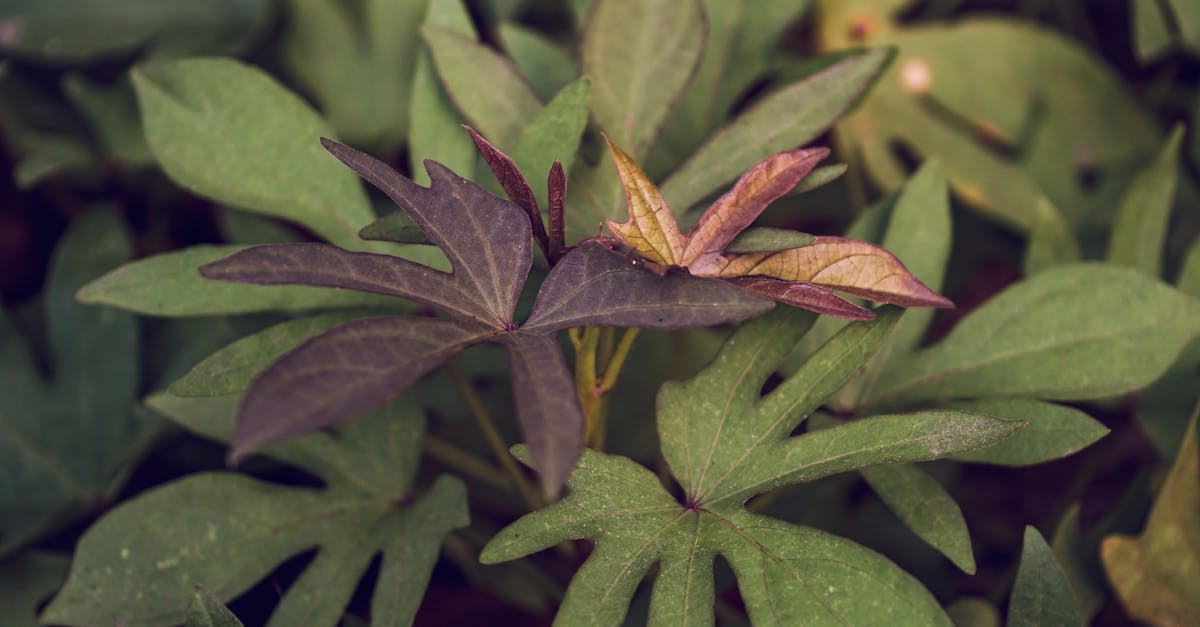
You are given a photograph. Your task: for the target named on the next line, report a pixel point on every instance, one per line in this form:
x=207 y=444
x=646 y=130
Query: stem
x=613 y=369
x=484 y=420
x=464 y=462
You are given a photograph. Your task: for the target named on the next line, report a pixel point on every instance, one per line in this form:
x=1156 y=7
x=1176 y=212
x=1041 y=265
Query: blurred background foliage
x=1052 y=121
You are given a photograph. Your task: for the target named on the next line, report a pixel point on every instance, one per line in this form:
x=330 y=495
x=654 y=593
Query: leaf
x=76 y=31
x=205 y=611
x=225 y=531
x=803 y=295
x=768 y=240
x=547 y=66
x=973 y=612
x=1036 y=115
x=1139 y=230
x=593 y=285
x=514 y=185
x=1041 y=594
x=359 y=66
x=809 y=106
x=555 y=133
x=395 y=227
x=1054 y=432
x=640 y=56
x=26 y=580
x=229 y=132
x=433 y=127
x=111 y=112
x=651 y=229
x=1052 y=241
x=1157 y=574
x=725 y=444
x=484 y=85
x=64 y=443
x=1151 y=35
x=925 y=507
x=169 y=284
x=1052 y=336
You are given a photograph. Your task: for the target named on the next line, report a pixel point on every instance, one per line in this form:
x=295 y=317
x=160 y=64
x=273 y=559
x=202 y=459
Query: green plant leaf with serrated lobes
x=63 y=442
x=725 y=443
x=206 y=611
x=223 y=531
x=358 y=366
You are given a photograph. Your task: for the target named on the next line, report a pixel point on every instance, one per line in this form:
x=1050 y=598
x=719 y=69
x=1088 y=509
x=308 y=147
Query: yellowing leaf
x=848 y=265
x=651 y=229
x=739 y=207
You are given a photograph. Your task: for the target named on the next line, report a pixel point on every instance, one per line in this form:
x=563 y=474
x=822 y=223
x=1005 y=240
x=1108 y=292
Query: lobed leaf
x=206 y=611
x=651 y=230
x=1054 y=432
x=925 y=507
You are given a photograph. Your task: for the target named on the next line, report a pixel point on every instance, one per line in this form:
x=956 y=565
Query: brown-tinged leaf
x=462 y=219
x=342 y=374
x=803 y=295
x=556 y=189
x=847 y=265
x=513 y=183
x=651 y=229
x=547 y=406
x=594 y=285
x=1157 y=574
x=737 y=209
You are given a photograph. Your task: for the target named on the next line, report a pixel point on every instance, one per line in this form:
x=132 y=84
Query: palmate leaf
x=724 y=444
x=223 y=531
x=356 y=367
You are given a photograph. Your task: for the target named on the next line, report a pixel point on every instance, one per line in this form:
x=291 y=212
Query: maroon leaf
x=344 y=373
x=547 y=406
x=514 y=184
x=803 y=295
x=328 y=266
x=556 y=186
x=594 y=285
x=485 y=238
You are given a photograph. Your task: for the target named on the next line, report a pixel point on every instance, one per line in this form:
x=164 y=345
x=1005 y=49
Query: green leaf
x=1041 y=594
x=230 y=132
x=1037 y=113
x=1151 y=33
x=224 y=532
x=1139 y=230
x=725 y=443
x=639 y=65
x=170 y=285
x=434 y=124
x=484 y=85
x=230 y=370
x=205 y=611
x=1189 y=275
x=973 y=612
x=553 y=135
x=925 y=507
x=809 y=106
x=63 y=444
x=1155 y=574
x=111 y=111
x=76 y=31
x=1052 y=241
x=1053 y=336
x=27 y=579
x=358 y=64
x=547 y=66
x=766 y=239
x=1054 y=432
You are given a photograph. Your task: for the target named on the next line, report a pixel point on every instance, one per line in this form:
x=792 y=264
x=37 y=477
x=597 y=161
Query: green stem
x=495 y=442
x=613 y=369
x=464 y=462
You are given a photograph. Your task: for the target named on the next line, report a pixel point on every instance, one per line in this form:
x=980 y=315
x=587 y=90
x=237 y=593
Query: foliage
x=237 y=386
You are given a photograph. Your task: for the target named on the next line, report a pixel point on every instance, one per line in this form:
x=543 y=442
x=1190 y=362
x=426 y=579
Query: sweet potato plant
x=600 y=312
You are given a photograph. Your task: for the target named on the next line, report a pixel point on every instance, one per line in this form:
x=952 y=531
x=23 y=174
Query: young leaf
x=1155 y=574
x=1041 y=594
x=358 y=366
x=804 y=275
x=1053 y=336
x=225 y=531
x=433 y=121
x=555 y=133
x=724 y=443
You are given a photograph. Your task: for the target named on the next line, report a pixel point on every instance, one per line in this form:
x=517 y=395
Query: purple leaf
x=547 y=406
x=803 y=295
x=514 y=184
x=593 y=285
x=485 y=238
x=556 y=186
x=342 y=374
x=328 y=266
